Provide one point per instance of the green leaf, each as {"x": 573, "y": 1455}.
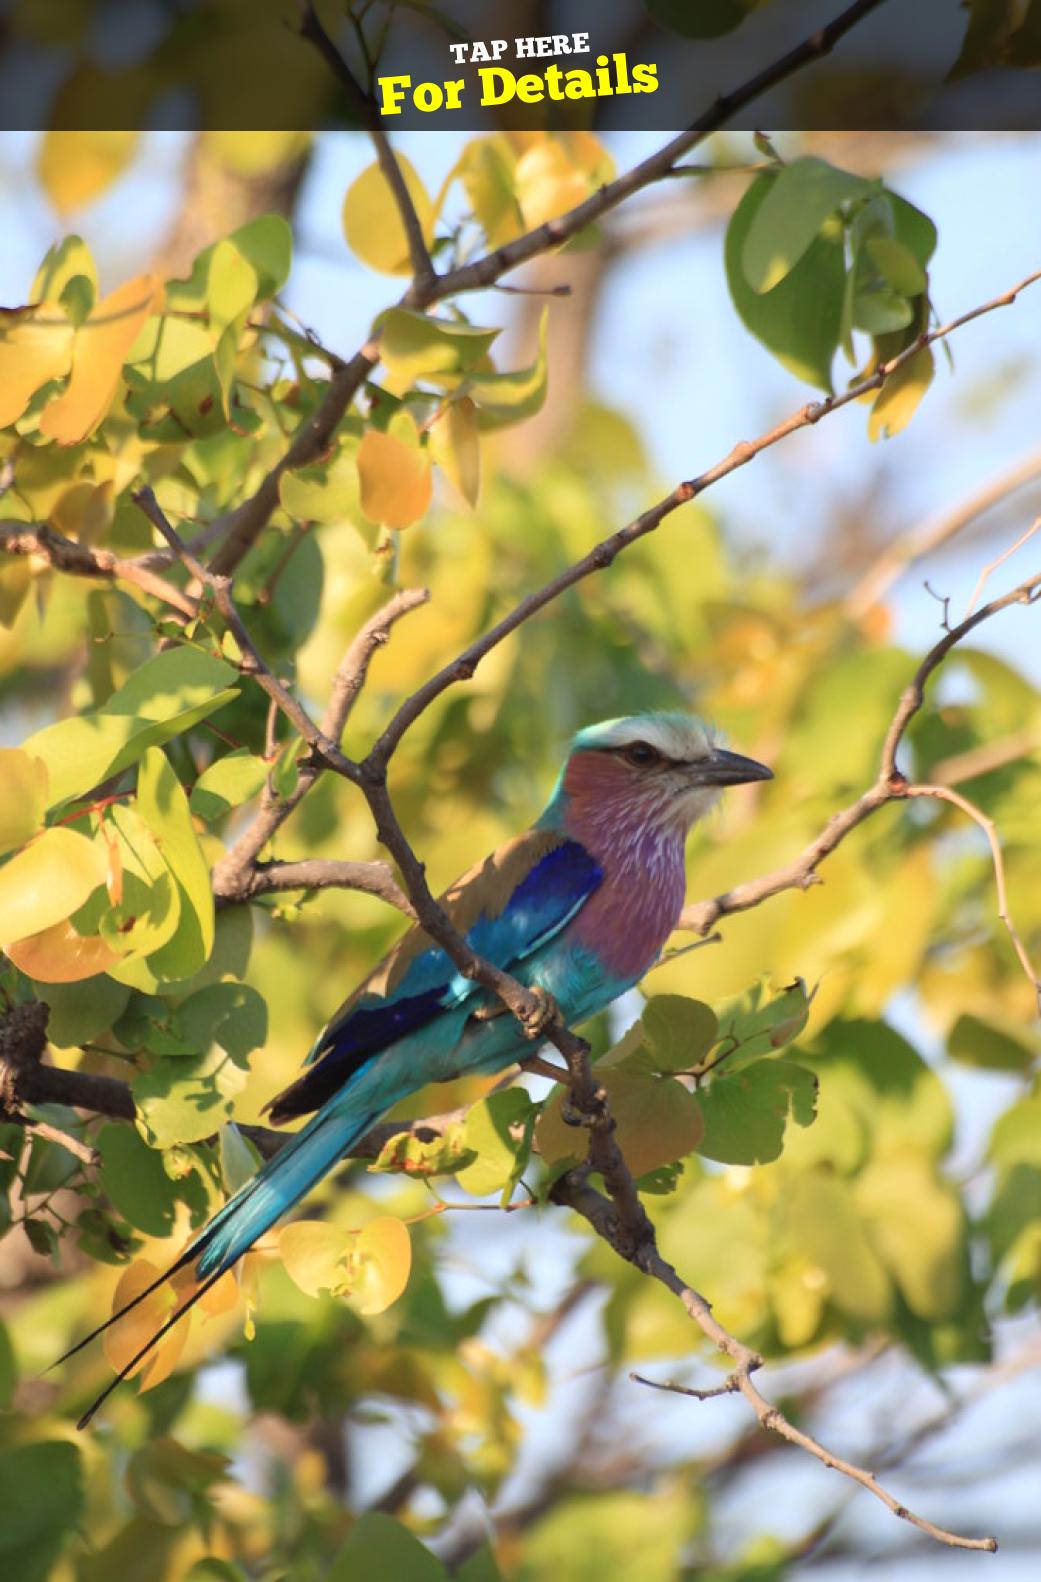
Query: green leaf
{"x": 326, "y": 493}
{"x": 680, "y": 1032}
{"x": 185, "y": 1101}
{"x": 163, "y": 698}
{"x": 231, "y": 286}
{"x": 1016, "y": 1138}
{"x": 149, "y": 911}
{"x": 379, "y": 1546}
{"x": 487, "y": 1130}
{"x": 267, "y": 244}
{"x": 746, "y": 1112}
{"x": 757, "y": 1026}
{"x": 164, "y": 808}
{"x": 239, "y": 1160}
{"x": 417, "y": 346}
{"x": 226, "y": 784}
{"x": 818, "y": 1216}
{"x": 408, "y": 1154}
{"x": 799, "y": 321}
{"x": 508, "y": 398}
{"x": 979, "y": 1043}
{"x": 66, "y": 261}
{"x": 8, "y": 1368}
{"x": 232, "y": 1015}
{"x": 133, "y": 1179}
{"x": 657, "y": 1121}
{"x": 917, "y": 1224}
{"x": 789, "y": 216}
{"x": 41, "y": 1501}
{"x": 912, "y": 229}
{"x": 897, "y": 264}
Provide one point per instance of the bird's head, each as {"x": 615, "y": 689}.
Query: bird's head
{"x": 665, "y": 770}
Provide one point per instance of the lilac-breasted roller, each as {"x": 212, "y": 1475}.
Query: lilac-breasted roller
{"x": 579, "y": 906}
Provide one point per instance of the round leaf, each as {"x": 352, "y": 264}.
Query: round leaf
{"x": 47, "y": 881}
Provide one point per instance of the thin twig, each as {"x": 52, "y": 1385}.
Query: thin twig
{"x": 64, "y": 554}
{"x": 237, "y": 875}
{"x": 875, "y": 583}
{"x": 241, "y": 527}
{"x": 600, "y": 1214}
{"x": 602, "y": 555}
{"x": 890, "y": 786}
{"x": 992, "y": 565}
{"x": 979, "y": 818}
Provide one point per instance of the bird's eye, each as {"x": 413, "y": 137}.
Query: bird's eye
{"x": 642, "y": 754}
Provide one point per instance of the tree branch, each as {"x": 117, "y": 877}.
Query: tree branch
{"x": 244, "y": 524}
{"x": 875, "y": 583}
{"x": 234, "y": 877}
{"x": 311, "y": 28}
{"x": 64, "y": 554}
{"x": 310, "y": 873}
{"x": 891, "y": 785}
{"x": 602, "y": 555}
{"x": 574, "y": 1190}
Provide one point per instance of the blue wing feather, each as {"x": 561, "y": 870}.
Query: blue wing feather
{"x": 539, "y": 907}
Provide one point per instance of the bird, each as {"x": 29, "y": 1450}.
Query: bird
{"x": 577, "y": 908}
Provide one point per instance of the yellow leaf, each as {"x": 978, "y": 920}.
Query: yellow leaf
{"x": 32, "y": 351}
{"x": 76, "y": 167}
{"x": 558, "y": 172}
{"x": 486, "y": 169}
{"x": 372, "y": 223}
{"x": 15, "y": 579}
{"x": 899, "y": 397}
{"x": 380, "y": 1265}
{"x": 23, "y": 796}
{"x": 256, "y": 153}
{"x": 455, "y": 446}
{"x": 313, "y": 1254}
{"x": 59, "y": 955}
{"x": 125, "y": 1339}
{"x": 100, "y": 349}
{"x": 395, "y": 478}
{"x": 47, "y": 881}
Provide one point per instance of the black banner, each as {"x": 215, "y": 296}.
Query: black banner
{"x": 516, "y": 64}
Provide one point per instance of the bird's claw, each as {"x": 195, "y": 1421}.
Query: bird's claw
{"x": 537, "y": 1019}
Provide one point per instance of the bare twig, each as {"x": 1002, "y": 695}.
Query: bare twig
{"x": 310, "y": 873}
{"x": 251, "y": 663}
{"x": 999, "y": 560}
{"x": 236, "y": 876}
{"x": 597, "y": 1209}
{"x": 979, "y": 818}
{"x": 602, "y": 555}
{"x": 890, "y": 786}
{"x": 937, "y": 531}
{"x": 54, "y": 1134}
{"x": 64, "y": 554}
{"x": 986, "y": 757}
{"x": 311, "y": 28}
{"x": 243, "y": 525}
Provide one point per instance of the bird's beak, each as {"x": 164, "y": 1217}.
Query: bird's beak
{"x": 725, "y": 768}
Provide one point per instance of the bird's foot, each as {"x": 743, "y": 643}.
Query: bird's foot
{"x": 535, "y": 1021}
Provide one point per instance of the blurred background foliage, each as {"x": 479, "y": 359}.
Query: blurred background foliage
{"x": 889, "y": 1245}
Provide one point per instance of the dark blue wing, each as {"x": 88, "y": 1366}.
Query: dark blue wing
{"x": 538, "y": 907}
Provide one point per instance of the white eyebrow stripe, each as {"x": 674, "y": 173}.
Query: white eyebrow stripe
{"x": 680, "y": 739}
